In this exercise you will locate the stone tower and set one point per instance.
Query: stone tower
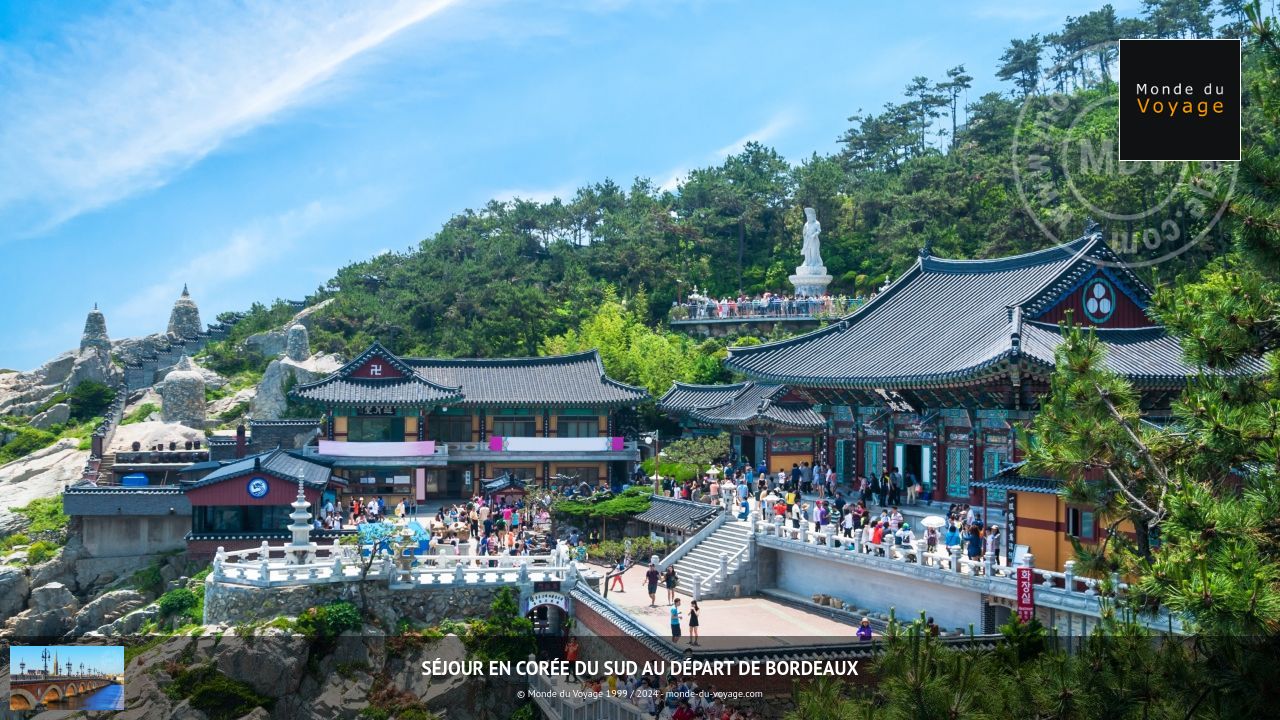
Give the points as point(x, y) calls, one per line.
point(184, 321)
point(297, 344)
point(95, 332)
point(182, 397)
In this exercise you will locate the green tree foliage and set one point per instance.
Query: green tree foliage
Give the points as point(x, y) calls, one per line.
point(633, 353)
point(697, 453)
point(628, 503)
point(1117, 673)
point(503, 635)
point(89, 399)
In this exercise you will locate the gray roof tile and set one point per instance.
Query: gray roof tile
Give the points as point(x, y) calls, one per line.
point(947, 320)
point(276, 462)
point(673, 513)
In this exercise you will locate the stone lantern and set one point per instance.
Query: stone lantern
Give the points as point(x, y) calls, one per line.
point(300, 550)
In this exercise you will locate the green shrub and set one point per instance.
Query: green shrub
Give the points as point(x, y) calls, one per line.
point(140, 413)
point(177, 601)
point(328, 621)
point(41, 551)
point(641, 548)
point(14, 540)
point(148, 579)
point(90, 398)
point(216, 695)
point(44, 514)
point(26, 441)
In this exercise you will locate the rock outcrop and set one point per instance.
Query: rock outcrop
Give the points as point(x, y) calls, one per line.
point(14, 588)
point(59, 414)
point(107, 608)
point(50, 613)
point(41, 474)
point(271, 399)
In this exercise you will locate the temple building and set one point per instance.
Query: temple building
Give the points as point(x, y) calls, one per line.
point(941, 373)
point(418, 428)
point(766, 422)
point(240, 504)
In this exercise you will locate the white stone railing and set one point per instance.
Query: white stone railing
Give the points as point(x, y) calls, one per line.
point(943, 561)
point(286, 565)
point(728, 565)
point(692, 541)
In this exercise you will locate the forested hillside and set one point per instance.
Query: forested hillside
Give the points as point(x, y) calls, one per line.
point(931, 170)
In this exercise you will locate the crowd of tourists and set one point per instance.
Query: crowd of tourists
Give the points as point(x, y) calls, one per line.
point(786, 496)
point(765, 305)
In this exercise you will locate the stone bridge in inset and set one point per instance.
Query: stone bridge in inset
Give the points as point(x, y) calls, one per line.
point(29, 693)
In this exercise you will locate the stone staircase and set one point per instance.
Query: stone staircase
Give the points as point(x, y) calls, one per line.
point(104, 468)
point(704, 560)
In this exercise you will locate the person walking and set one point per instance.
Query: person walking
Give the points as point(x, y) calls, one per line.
point(652, 577)
point(864, 630)
point(618, 569)
point(693, 623)
point(675, 621)
point(669, 579)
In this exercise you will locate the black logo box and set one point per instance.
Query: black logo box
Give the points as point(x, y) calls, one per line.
point(1186, 69)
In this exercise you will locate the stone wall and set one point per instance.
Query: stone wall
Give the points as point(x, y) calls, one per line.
point(106, 537)
point(952, 607)
point(238, 604)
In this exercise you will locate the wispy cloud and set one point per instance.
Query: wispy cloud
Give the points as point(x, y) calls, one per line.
point(772, 128)
point(246, 251)
point(129, 99)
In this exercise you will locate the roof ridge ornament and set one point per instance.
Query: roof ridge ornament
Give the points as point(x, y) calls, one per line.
point(1091, 227)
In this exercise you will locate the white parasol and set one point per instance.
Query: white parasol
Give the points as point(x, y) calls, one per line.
point(934, 521)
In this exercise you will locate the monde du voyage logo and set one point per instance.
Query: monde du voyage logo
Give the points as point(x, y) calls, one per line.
point(1180, 100)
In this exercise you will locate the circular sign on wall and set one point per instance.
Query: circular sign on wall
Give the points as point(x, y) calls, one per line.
point(258, 487)
point(1099, 300)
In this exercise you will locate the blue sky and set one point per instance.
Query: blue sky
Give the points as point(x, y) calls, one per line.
point(252, 149)
point(107, 659)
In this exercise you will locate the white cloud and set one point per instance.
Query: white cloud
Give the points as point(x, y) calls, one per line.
point(245, 252)
point(129, 99)
point(771, 129)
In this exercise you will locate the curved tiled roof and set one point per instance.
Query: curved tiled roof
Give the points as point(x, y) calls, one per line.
point(954, 321)
point(404, 391)
point(280, 463)
point(1142, 354)
point(683, 397)
point(673, 513)
point(555, 380)
point(341, 388)
point(755, 405)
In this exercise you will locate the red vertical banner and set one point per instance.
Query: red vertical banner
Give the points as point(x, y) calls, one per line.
point(1026, 595)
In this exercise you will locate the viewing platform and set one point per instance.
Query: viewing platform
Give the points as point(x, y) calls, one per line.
point(709, 317)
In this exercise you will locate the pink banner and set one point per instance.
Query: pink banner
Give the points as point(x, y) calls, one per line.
point(1026, 595)
point(377, 449)
point(562, 445)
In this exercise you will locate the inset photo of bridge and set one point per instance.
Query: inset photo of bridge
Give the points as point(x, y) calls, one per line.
point(66, 677)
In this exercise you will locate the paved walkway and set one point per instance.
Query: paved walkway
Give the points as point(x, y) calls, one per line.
point(730, 624)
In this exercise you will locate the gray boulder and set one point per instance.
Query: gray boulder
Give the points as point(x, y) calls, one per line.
point(57, 415)
point(270, 401)
point(108, 608)
point(14, 587)
point(54, 596)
